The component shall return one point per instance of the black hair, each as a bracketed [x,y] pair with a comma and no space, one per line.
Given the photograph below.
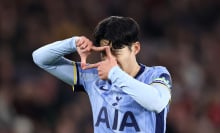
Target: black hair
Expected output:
[120,31]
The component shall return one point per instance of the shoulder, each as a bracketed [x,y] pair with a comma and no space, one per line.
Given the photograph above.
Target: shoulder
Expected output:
[155,70]
[158,69]
[158,74]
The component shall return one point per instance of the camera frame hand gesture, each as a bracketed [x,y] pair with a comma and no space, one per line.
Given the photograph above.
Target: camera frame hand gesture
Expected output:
[84,49]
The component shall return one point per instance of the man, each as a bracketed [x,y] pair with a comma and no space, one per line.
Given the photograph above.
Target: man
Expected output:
[126,96]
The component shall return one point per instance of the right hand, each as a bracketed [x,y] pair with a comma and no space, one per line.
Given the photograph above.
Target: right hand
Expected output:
[106,64]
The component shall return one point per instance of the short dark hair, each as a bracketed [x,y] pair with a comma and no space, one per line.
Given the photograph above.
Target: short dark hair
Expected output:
[120,31]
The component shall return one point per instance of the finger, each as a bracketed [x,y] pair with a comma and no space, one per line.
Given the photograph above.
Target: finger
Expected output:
[108,51]
[80,41]
[83,46]
[89,66]
[94,48]
[83,61]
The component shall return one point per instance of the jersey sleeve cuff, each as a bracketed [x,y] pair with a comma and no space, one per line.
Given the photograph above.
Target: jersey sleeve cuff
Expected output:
[73,44]
[115,73]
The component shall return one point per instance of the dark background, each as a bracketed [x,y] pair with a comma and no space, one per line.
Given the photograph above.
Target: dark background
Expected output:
[183,35]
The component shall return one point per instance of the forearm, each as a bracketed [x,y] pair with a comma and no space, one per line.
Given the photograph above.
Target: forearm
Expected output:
[49,54]
[51,58]
[152,97]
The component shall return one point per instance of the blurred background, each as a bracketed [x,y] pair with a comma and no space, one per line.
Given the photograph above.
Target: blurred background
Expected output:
[183,35]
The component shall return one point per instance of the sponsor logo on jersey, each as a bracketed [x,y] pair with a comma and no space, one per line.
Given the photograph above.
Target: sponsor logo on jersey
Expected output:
[128,120]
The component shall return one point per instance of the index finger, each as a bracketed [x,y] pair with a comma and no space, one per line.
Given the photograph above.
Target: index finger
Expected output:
[94,48]
[103,48]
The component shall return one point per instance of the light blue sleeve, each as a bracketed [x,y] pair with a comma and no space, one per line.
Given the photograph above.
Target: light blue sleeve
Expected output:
[161,75]
[51,58]
[154,97]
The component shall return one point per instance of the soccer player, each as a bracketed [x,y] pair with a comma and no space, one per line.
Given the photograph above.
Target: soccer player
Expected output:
[125,95]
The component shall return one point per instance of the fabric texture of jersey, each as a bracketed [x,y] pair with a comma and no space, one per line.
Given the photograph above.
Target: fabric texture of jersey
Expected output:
[115,110]
[122,104]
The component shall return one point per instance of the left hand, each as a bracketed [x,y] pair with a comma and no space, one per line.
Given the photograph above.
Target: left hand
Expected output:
[84,47]
[106,65]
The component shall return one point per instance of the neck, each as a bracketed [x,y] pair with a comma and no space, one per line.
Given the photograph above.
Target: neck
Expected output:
[134,69]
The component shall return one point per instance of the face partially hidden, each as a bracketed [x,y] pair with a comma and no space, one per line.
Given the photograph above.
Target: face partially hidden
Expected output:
[125,56]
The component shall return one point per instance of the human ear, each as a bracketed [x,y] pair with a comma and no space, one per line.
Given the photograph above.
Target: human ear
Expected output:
[136,47]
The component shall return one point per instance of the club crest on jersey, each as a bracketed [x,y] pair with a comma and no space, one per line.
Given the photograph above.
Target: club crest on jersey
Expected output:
[128,120]
[117,100]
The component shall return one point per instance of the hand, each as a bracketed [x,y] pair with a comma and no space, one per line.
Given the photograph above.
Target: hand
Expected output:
[104,66]
[84,46]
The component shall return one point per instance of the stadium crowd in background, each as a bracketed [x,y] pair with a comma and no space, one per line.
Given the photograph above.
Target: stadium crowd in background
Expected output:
[182,35]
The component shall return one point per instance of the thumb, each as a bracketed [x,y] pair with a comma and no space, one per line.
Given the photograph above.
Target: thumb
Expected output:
[83,61]
[89,66]
[108,51]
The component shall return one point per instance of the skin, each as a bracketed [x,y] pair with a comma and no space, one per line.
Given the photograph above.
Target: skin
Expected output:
[125,58]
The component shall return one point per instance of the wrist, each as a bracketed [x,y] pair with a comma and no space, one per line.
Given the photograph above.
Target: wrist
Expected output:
[112,71]
[75,39]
